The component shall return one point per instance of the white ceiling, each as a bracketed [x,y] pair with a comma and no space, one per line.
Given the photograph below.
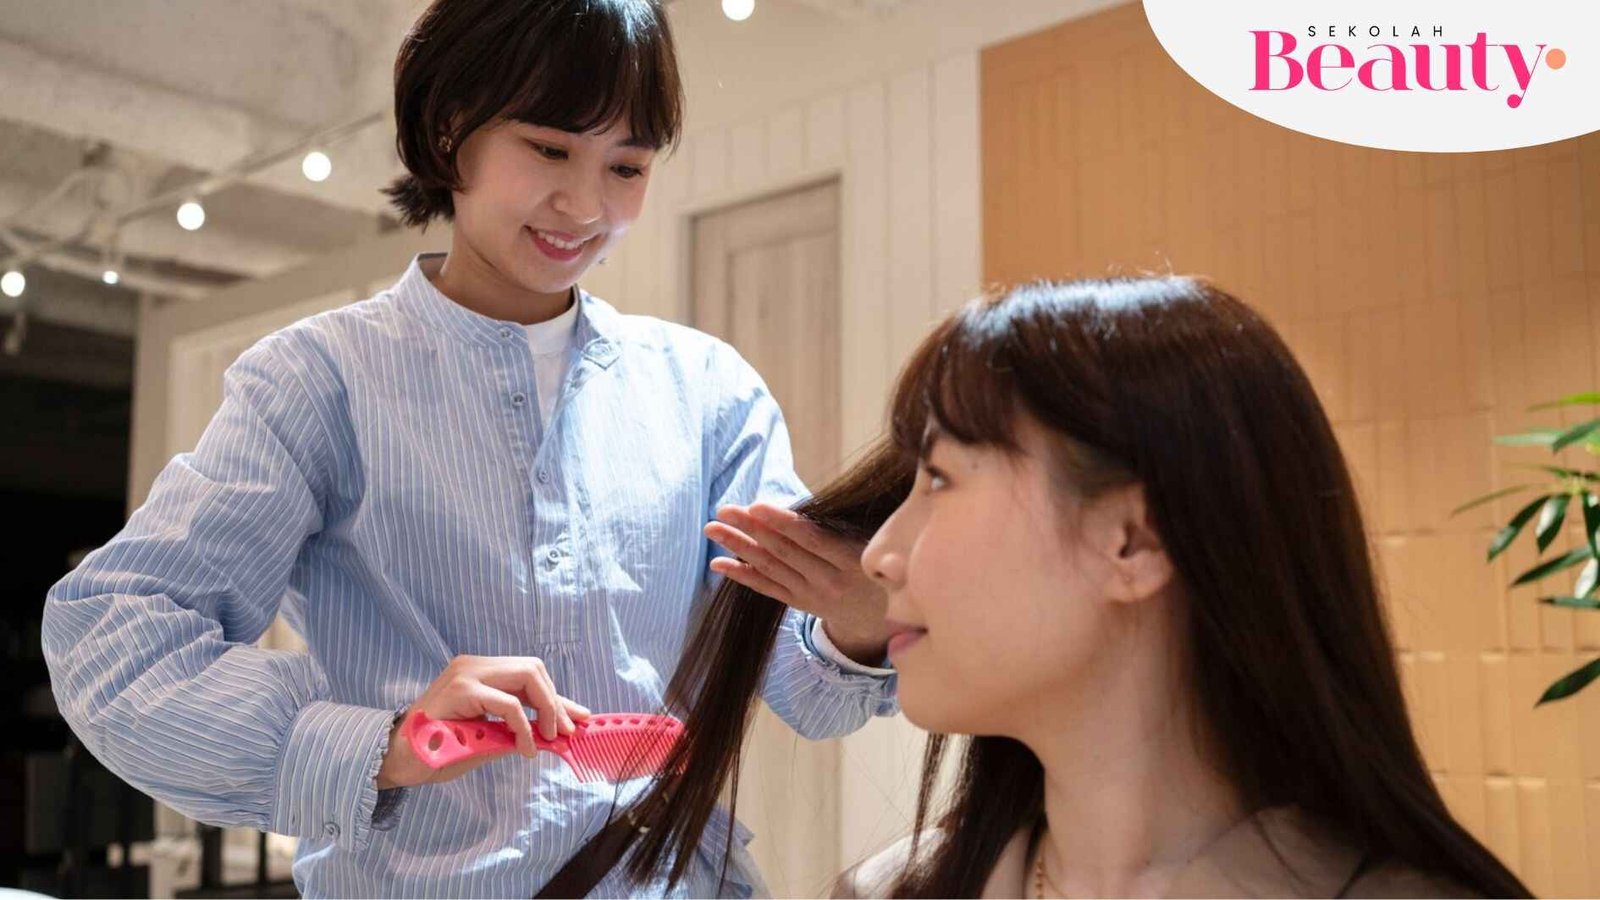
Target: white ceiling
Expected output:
[162,93]
[165,92]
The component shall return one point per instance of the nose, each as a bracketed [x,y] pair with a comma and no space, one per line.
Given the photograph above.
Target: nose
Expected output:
[882,560]
[580,200]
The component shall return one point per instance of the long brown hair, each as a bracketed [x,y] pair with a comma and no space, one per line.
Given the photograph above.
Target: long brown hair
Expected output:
[715,691]
[1172,383]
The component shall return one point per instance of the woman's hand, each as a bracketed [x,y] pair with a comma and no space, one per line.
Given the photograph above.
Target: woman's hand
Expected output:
[791,559]
[473,686]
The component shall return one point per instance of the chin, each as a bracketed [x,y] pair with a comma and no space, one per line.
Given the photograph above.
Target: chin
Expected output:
[538,277]
[931,709]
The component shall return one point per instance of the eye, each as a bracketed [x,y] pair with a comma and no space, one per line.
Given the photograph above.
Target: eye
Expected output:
[936,479]
[547,151]
[627,172]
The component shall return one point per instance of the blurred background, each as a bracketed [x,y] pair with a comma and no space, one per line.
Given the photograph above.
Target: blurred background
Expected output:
[179,178]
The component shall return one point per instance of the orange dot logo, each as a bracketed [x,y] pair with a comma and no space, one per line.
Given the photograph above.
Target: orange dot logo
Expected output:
[1556,58]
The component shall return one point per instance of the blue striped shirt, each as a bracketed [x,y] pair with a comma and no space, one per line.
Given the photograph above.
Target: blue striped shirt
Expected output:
[380,474]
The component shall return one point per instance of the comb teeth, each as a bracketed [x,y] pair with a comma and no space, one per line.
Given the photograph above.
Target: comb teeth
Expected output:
[616,746]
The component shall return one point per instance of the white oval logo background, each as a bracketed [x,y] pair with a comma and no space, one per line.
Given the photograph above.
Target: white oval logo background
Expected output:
[1497,92]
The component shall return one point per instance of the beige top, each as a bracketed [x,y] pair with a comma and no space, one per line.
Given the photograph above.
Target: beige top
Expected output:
[1290,854]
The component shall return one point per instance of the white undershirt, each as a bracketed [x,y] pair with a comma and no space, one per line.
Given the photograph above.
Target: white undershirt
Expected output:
[552,344]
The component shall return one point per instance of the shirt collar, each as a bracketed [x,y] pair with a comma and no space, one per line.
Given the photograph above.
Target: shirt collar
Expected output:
[598,327]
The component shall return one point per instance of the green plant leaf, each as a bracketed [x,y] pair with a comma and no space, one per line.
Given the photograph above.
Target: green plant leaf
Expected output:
[1584,587]
[1486,498]
[1538,437]
[1571,683]
[1589,399]
[1572,602]
[1504,537]
[1550,518]
[1581,474]
[1575,434]
[1591,522]
[1550,567]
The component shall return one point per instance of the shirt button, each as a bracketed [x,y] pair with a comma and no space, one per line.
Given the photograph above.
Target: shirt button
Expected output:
[554,556]
[330,830]
[544,476]
[518,399]
[505,333]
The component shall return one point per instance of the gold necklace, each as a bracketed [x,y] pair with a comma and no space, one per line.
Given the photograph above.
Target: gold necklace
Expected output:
[1040,879]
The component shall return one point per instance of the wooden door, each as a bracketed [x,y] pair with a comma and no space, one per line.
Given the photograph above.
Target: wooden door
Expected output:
[766,279]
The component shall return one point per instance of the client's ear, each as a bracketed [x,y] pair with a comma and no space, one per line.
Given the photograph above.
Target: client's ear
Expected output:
[1139,565]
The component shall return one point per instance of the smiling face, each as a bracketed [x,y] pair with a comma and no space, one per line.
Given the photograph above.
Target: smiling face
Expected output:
[539,206]
[1002,582]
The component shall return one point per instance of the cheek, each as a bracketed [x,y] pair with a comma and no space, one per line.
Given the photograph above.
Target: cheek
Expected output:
[500,191]
[1006,618]
[624,202]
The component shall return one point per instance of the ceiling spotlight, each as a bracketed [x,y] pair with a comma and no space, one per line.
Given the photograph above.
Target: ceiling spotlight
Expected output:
[738,10]
[13,283]
[111,259]
[191,215]
[316,166]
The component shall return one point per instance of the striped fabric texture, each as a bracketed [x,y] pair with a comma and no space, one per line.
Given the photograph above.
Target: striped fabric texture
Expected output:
[381,475]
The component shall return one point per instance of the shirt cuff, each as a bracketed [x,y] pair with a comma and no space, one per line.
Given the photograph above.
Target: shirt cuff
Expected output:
[817,642]
[327,773]
[386,813]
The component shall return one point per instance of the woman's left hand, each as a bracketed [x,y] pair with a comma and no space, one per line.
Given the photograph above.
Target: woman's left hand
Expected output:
[791,559]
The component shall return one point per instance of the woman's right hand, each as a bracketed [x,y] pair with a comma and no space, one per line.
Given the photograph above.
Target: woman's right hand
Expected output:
[474,686]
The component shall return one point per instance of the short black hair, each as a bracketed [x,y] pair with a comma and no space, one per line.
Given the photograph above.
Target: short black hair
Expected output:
[574,65]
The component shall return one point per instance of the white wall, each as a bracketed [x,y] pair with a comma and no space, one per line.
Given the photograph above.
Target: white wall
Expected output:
[905,149]
[788,53]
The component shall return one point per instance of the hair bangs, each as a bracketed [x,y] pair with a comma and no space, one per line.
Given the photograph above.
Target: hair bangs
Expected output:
[610,66]
[961,381]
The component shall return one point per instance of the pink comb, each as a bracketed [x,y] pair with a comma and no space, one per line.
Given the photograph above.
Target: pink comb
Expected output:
[606,746]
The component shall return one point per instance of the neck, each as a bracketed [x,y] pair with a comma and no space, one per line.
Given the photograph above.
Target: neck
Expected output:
[1129,797]
[467,278]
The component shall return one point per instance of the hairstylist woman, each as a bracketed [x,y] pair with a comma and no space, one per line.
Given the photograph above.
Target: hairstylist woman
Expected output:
[480,490]
[1132,568]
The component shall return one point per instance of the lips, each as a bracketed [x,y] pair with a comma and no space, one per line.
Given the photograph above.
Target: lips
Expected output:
[558,245]
[902,636]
